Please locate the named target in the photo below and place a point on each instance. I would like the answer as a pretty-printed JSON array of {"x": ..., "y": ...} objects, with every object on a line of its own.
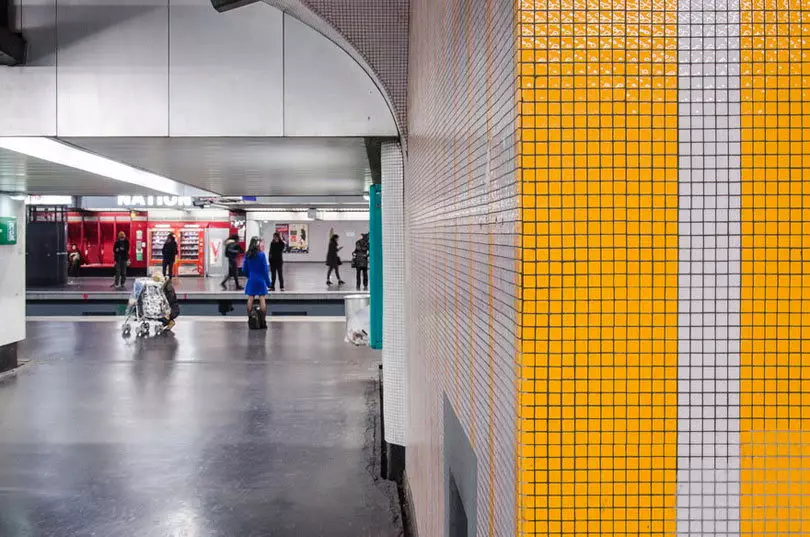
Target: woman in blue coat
[{"x": 257, "y": 273}]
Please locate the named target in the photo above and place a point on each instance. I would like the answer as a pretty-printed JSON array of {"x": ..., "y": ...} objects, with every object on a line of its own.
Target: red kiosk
[{"x": 95, "y": 233}]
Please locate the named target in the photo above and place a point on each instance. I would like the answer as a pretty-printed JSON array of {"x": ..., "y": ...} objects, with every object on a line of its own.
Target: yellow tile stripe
[
  {"x": 775, "y": 306},
  {"x": 597, "y": 409}
]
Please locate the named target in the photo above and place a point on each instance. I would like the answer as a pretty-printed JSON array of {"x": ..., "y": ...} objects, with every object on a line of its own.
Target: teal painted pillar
[{"x": 376, "y": 265}]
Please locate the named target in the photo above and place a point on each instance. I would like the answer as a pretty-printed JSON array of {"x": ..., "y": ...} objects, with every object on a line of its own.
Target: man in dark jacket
[
  {"x": 169, "y": 256},
  {"x": 232, "y": 251},
  {"x": 277, "y": 248},
  {"x": 360, "y": 260},
  {"x": 121, "y": 256}
]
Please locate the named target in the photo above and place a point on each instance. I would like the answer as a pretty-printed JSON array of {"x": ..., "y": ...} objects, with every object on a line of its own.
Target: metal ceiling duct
[
  {"x": 225, "y": 5},
  {"x": 12, "y": 45}
]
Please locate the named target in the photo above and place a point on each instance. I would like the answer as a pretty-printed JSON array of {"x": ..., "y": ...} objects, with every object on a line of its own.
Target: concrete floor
[{"x": 213, "y": 431}]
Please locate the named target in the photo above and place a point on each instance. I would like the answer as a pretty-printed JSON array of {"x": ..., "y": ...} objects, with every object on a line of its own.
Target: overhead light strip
[{"x": 73, "y": 157}]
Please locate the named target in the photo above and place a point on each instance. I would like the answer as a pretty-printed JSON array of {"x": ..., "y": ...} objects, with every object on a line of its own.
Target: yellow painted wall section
[
  {"x": 775, "y": 306},
  {"x": 598, "y": 128}
]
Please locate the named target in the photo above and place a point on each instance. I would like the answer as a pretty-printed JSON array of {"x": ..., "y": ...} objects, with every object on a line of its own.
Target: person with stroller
[
  {"x": 257, "y": 273},
  {"x": 153, "y": 300},
  {"x": 171, "y": 297},
  {"x": 360, "y": 260},
  {"x": 121, "y": 256},
  {"x": 277, "y": 248},
  {"x": 333, "y": 261},
  {"x": 232, "y": 251},
  {"x": 169, "y": 256}
]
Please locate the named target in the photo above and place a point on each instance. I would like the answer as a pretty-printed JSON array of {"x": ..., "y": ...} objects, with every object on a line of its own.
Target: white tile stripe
[
  {"x": 708, "y": 490},
  {"x": 394, "y": 355}
]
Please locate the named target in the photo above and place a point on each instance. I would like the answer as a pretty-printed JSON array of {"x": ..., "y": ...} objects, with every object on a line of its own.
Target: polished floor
[
  {"x": 214, "y": 431},
  {"x": 298, "y": 278}
]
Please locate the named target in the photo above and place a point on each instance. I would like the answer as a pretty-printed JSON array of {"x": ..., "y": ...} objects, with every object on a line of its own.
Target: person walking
[
  {"x": 257, "y": 273},
  {"x": 169, "y": 256},
  {"x": 121, "y": 256},
  {"x": 360, "y": 260},
  {"x": 232, "y": 251},
  {"x": 277, "y": 247},
  {"x": 333, "y": 260}
]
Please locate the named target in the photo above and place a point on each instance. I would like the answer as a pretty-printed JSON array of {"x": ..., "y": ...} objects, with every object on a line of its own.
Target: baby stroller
[{"x": 147, "y": 310}]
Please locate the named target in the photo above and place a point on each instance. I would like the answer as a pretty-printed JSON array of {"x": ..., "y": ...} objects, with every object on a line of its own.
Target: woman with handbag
[
  {"x": 360, "y": 261},
  {"x": 333, "y": 260},
  {"x": 257, "y": 272}
]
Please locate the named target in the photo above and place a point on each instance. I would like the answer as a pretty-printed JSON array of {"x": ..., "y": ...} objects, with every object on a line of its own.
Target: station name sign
[{"x": 154, "y": 201}]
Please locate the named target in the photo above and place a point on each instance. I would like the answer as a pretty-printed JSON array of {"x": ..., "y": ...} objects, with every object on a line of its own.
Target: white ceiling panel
[
  {"x": 247, "y": 166},
  {"x": 21, "y": 173}
]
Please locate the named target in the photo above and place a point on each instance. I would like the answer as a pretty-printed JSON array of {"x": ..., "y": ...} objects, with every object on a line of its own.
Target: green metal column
[{"x": 376, "y": 266}]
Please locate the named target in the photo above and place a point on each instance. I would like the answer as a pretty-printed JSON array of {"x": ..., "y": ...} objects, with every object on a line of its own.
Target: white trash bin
[{"x": 358, "y": 319}]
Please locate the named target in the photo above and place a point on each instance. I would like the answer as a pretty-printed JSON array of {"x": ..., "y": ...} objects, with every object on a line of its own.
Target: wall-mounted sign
[
  {"x": 8, "y": 230},
  {"x": 154, "y": 201}
]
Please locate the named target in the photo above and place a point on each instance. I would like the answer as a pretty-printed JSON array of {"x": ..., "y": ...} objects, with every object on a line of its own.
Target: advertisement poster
[
  {"x": 296, "y": 236},
  {"x": 284, "y": 231},
  {"x": 239, "y": 225},
  {"x": 215, "y": 252},
  {"x": 299, "y": 239}
]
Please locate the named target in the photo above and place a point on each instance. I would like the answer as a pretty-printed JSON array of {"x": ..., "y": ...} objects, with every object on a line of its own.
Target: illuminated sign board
[
  {"x": 8, "y": 230},
  {"x": 154, "y": 201},
  {"x": 49, "y": 200}
]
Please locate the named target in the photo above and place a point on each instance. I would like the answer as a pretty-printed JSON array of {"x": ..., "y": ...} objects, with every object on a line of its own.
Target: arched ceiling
[{"x": 374, "y": 32}]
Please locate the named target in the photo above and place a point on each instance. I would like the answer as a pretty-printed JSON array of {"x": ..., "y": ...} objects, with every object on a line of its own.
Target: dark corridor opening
[{"x": 457, "y": 514}]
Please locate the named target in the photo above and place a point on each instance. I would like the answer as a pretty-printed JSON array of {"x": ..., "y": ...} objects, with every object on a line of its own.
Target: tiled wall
[
  {"x": 599, "y": 182},
  {"x": 461, "y": 234},
  {"x": 775, "y": 305},
  {"x": 395, "y": 371},
  {"x": 661, "y": 298},
  {"x": 709, "y": 272}
]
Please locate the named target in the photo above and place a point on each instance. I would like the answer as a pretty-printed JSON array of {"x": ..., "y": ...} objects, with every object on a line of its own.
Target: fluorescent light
[
  {"x": 73, "y": 157},
  {"x": 49, "y": 200}
]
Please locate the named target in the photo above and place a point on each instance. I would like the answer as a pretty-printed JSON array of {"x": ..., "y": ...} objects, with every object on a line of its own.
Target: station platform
[
  {"x": 212, "y": 430},
  {"x": 306, "y": 294}
]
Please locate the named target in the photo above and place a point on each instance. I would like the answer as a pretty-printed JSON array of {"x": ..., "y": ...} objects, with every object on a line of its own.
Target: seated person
[{"x": 174, "y": 305}]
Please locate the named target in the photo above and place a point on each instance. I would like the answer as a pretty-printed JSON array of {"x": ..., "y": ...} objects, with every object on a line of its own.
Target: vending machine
[
  {"x": 191, "y": 245},
  {"x": 157, "y": 238}
]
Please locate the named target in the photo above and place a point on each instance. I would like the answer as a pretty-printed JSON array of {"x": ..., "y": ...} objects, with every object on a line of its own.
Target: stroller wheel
[
  {"x": 145, "y": 329},
  {"x": 126, "y": 331}
]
